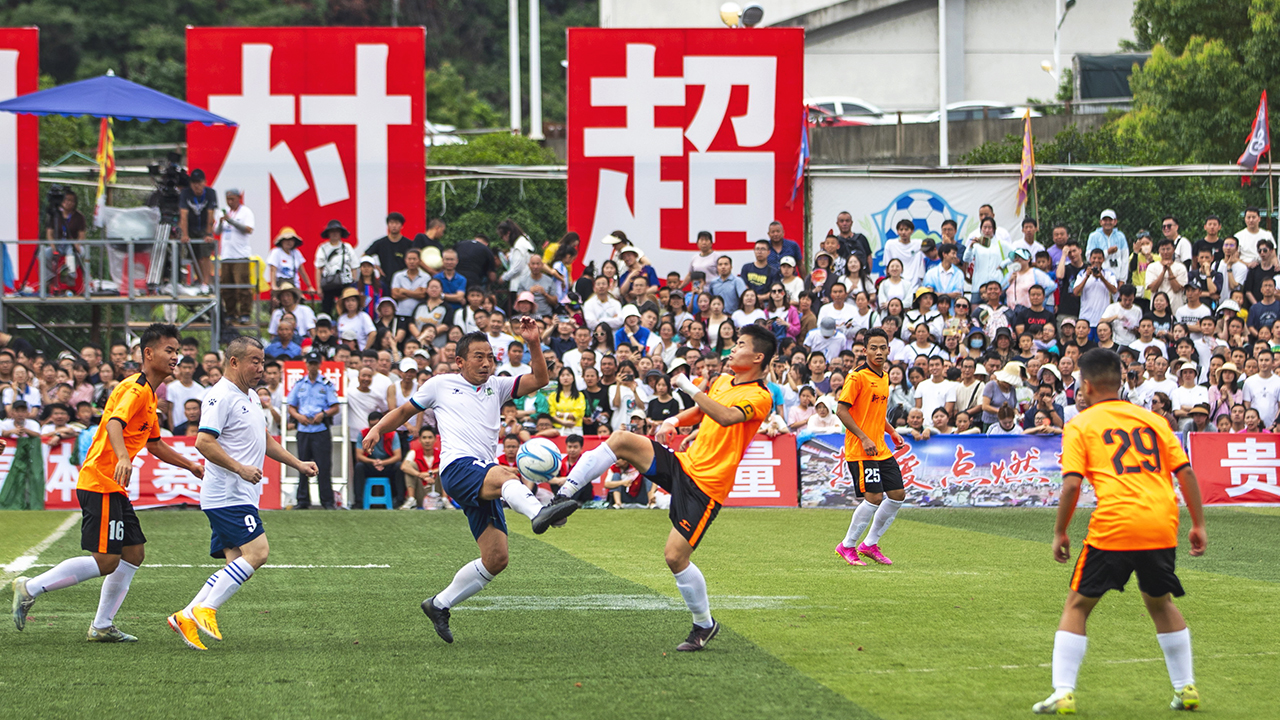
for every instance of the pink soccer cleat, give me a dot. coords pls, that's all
(849, 554)
(873, 552)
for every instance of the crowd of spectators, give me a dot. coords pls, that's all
(985, 329)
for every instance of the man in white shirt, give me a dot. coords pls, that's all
(602, 307)
(362, 400)
(838, 309)
(182, 389)
(1147, 338)
(907, 250)
(936, 392)
(1001, 234)
(234, 440)
(1095, 286)
(236, 226)
(1168, 276)
(1194, 309)
(1027, 241)
(1262, 391)
(515, 366)
(827, 340)
(498, 340)
(1124, 316)
(1250, 235)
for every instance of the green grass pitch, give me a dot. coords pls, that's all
(584, 622)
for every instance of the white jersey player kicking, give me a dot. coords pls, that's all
(234, 440)
(468, 408)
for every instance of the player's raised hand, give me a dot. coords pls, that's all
(124, 472)
(529, 330)
(1062, 548)
(1198, 540)
(308, 469)
(250, 474)
(370, 441)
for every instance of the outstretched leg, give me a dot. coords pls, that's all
(635, 449)
(470, 579)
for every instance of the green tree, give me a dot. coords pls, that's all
(472, 207)
(449, 102)
(1194, 100)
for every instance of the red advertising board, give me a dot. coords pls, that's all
(1237, 468)
(767, 475)
(20, 147)
(330, 126)
(672, 132)
(294, 370)
(155, 484)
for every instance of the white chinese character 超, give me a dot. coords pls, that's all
(1253, 467)
(754, 478)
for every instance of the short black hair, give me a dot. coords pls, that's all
(18, 405)
(574, 438)
(1101, 367)
(395, 216)
(188, 402)
(1254, 210)
(876, 332)
(1128, 289)
(762, 341)
(188, 341)
(464, 345)
(945, 248)
(950, 222)
(1035, 223)
(156, 332)
(706, 234)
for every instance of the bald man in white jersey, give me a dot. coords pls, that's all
(468, 408)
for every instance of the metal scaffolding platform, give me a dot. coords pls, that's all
(105, 273)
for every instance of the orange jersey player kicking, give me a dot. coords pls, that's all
(1127, 454)
(863, 405)
(699, 478)
(109, 528)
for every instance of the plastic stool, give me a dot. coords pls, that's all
(370, 499)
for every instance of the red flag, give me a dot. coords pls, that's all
(1259, 141)
(1028, 168)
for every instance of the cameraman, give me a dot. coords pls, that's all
(197, 204)
(1095, 286)
(64, 223)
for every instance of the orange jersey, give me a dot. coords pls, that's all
(1128, 454)
(867, 395)
(712, 461)
(133, 404)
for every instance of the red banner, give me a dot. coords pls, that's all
(330, 126)
(20, 148)
(767, 475)
(672, 132)
(294, 370)
(155, 484)
(1235, 468)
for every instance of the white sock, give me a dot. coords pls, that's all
(114, 588)
(64, 574)
(693, 588)
(591, 465)
(1068, 653)
(885, 514)
(229, 579)
(520, 499)
(861, 518)
(1177, 657)
(200, 596)
(469, 580)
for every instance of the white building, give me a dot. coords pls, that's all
(886, 51)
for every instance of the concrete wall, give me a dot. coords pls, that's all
(917, 144)
(889, 56)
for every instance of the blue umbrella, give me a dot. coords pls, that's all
(110, 96)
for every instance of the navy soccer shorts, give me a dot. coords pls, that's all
(462, 480)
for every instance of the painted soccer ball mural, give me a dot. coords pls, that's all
(924, 208)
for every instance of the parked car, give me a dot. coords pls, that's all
(820, 117)
(847, 108)
(974, 110)
(435, 135)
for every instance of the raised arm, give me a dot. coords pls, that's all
(532, 381)
(389, 422)
(723, 415)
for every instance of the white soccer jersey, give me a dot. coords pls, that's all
(468, 417)
(236, 419)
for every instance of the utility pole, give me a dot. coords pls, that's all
(513, 46)
(943, 150)
(535, 72)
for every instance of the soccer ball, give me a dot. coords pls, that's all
(538, 460)
(923, 208)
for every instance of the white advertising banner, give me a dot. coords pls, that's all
(878, 202)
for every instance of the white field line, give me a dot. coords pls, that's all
(274, 567)
(1123, 661)
(28, 559)
(625, 602)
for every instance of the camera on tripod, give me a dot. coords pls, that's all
(169, 178)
